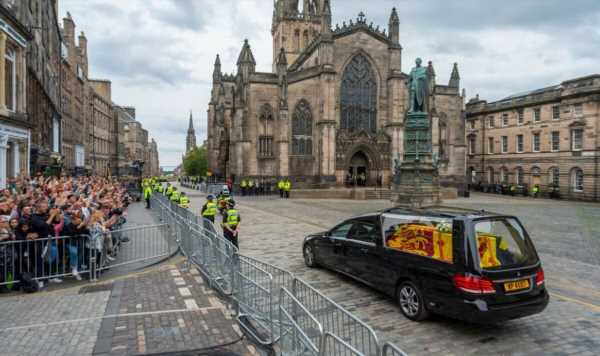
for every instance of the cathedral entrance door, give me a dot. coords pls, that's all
(359, 169)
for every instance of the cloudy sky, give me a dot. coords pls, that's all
(159, 53)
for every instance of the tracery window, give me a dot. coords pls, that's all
(302, 129)
(359, 96)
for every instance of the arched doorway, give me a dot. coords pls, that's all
(358, 170)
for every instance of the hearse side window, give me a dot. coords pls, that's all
(502, 243)
(420, 235)
(364, 232)
(341, 232)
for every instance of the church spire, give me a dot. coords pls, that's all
(246, 62)
(217, 71)
(190, 141)
(454, 77)
(191, 126)
(326, 17)
(394, 27)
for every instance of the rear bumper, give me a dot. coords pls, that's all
(479, 311)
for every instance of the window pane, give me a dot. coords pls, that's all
(341, 232)
(502, 243)
(9, 67)
(424, 236)
(556, 112)
(555, 141)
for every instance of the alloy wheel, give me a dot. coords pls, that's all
(309, 257)
(409, 301)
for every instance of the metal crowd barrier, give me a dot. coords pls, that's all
(46, 258)
(272, 306)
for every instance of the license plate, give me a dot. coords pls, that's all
(516, 285)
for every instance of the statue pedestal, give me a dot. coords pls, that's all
(416, 181)
(416, 185)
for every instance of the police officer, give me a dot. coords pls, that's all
(251, 186)
(175, 196)
(147, 194)
(287, 187)
(169, 190)
(281, 187)
(244, 186)
(535, 190)
(184, 201)
(209, 209)
(231, 223)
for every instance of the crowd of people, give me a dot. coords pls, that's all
(50, 227)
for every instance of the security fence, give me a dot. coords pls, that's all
(39, 259)
(272, 306)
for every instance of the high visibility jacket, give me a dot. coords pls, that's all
(287, 186)
(281, 185)
(175, 196)
(233, 217)
(147, 192)
(184, 202)
(250, 183)
(244, 184)
(211, 209)
(159, 188)
(169, 191)
(535, 189)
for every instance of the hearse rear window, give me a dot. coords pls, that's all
(502, 243)
(420, 235)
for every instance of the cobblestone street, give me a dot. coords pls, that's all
(163, 309)
(565, 235)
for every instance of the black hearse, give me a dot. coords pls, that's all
(471, 265)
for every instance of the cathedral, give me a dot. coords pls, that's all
(333, 106)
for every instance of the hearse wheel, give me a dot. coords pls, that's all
(309, 256)
(411, 302)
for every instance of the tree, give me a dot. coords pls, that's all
(196, 162)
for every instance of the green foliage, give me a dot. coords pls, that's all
(196, 162)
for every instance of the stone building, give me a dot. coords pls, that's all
(43, 79)
(334, 104)
(74, 97)
(15, 125)
(546, 137)
(153, 163)
(190, 140)
(100, 126)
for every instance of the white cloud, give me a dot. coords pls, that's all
(160, 53)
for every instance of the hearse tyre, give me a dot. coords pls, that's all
(309, 255)
(411, 301)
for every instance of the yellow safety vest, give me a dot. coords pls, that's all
(211, 209)
(184, 202)
(233, 217)
(243, 184)
(287, 186)
(175, 196)
(250, 183)
(281, 184)
(169, 190)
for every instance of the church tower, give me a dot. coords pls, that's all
(190, 141)
(293, 28)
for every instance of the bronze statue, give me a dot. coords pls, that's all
(418, 86)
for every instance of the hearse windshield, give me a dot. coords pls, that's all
(502, 243)
(420, 235)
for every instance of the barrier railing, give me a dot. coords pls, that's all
(46, 258)
(272, 306)
(392, 350)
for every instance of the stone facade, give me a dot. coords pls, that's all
(335, 104)
(101, 128)
(44, 79)
(15, 125)
(545, 137)
(74, 97)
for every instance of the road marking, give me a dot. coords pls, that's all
(594, 307)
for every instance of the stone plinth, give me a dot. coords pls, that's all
(416, 184)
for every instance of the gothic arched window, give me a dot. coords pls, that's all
(359, 96)
(302, 129)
